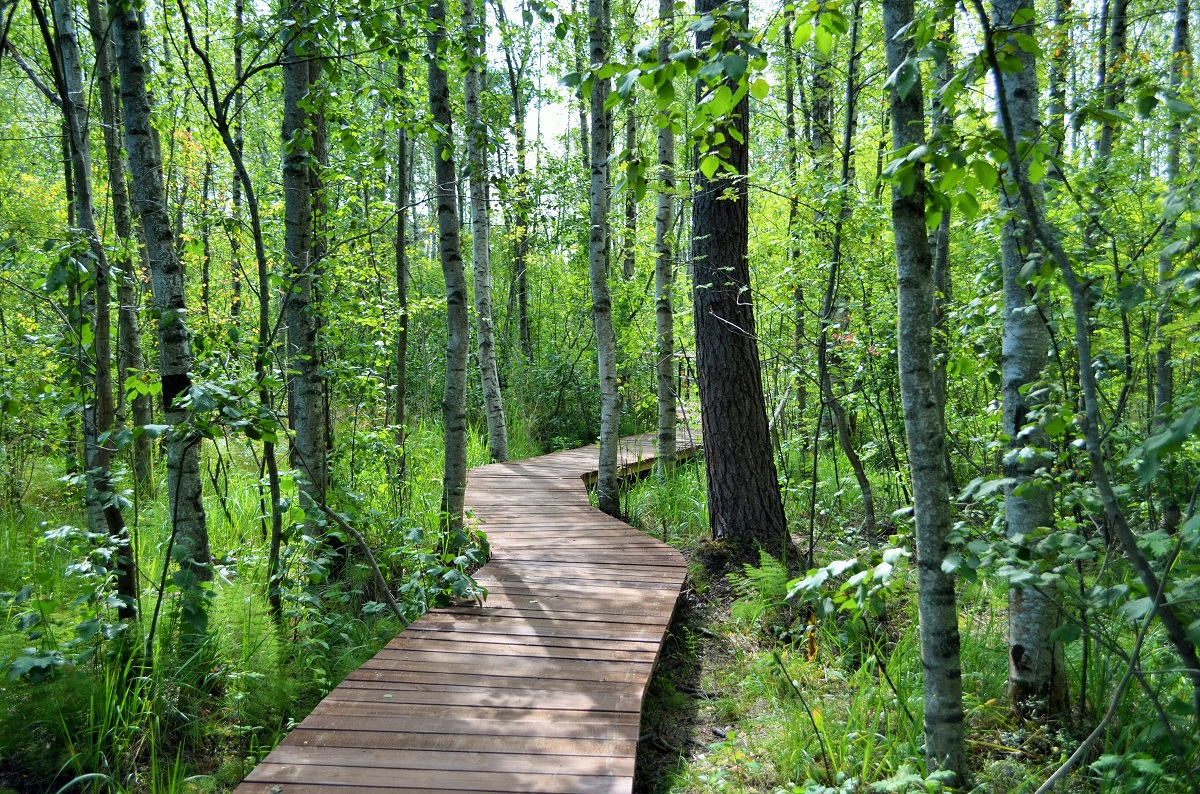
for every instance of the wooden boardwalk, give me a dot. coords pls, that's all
(539, 690)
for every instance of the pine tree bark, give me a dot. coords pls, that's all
(940, 642)
(745, 508)
(1037, 673)
(100, 414)
(598, 257)
(664, 266)
(166, 278)
(454, 397)
(477, 143)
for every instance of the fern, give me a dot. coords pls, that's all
(761, 591)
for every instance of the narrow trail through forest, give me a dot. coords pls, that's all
(538, 690)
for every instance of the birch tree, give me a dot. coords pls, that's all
(940, 642)
(454, 397)
(477, 144)
(598, 258)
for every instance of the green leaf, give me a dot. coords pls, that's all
(734, 66)
(986, 173)
(1146, 103)
(708, 166)
(759, 89)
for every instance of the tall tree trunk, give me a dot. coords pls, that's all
(516, 66)
(1164, 374)
(129, 348)
(1079, 290)
(664, 265)
(100, 414)
(235, 262)
(454, 398)
(1113, 77)
(166, 277)
(205, 237)
(791, 83)
(940, 644)
(489, 376)
(1060, 58)
(233, 147)
(943, 290)
(1037, 680)
(301, 138)
(629, 246)
(403, 189)
(829, 307)
(598, 254)
(745, 508)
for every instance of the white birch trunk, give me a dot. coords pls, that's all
(664, 313)
(166, 280)
(1037, 683)
(454, 414)
(598, 253)
(940, 642)
(480, 234)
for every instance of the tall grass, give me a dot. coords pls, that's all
(132, 718)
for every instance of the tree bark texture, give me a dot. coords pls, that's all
(100, 414)
(745, 508)
(940, 644)
(598, 256)
(301, 311)
(403, 182)
(166, 279)
(1037, 673)
(664, 266)
(129, 346)
(454, 398)
(1164, 371)
(485, 335)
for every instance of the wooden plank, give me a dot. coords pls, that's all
(485, 697)
(506, 761)
(455, 681)
(311, 774)
(303, 736)
(492, 726)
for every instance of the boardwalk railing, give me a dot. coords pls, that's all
(538, 690)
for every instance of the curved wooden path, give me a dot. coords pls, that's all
(538, 690)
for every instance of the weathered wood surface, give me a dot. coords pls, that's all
(538, 690)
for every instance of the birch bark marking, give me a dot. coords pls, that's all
(300, 147)
(745, 507)
(129, 347)
(480, 234)
(166, 279)
(940, 643)
(664, 265)
(1037, 674)
(598, 254)
(100, 415)
(454, 414)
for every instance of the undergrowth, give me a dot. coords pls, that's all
(813, 684)
(88, 703)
